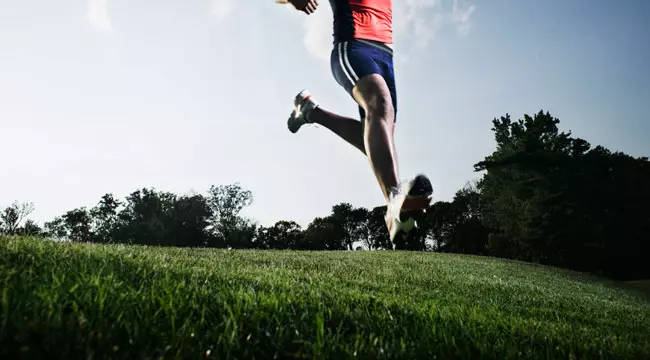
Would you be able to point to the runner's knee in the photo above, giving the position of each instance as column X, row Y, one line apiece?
column 374, row 96
column 380, row 108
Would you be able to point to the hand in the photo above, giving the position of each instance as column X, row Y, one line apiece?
column 306, row 6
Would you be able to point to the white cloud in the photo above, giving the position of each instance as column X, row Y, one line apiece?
column 414, row 21
column 462, row 16
column 220, row 9
column 424, row 29
column 97, row 15
column 417, row 20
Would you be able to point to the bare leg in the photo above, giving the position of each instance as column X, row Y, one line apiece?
column 373, row 136
column 372, row 93
column 348, row 129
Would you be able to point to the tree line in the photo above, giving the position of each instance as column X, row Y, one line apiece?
column 544, row 197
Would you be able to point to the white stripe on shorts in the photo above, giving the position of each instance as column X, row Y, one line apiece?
column 347, row 62
column 345, row 70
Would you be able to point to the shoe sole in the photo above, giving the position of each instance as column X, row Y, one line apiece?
column 292, row 128
column 417, row 197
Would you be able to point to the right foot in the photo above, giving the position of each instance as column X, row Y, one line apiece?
column 414, row 194
column 304, row 103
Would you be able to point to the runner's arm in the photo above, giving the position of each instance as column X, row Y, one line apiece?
column 306, row 6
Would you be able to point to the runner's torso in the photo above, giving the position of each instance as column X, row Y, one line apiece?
column 363, row 19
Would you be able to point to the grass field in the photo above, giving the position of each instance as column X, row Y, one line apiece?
column 73, row 301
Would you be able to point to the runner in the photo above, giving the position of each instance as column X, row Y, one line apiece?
column 362, row 63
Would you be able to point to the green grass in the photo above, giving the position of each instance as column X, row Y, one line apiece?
column 61, row 300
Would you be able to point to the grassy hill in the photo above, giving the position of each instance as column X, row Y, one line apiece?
column 61, row 300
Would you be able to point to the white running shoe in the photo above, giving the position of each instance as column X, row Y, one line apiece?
column 415, row 194
column 304, row 103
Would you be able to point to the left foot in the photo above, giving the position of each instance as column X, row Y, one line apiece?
column 304, row 103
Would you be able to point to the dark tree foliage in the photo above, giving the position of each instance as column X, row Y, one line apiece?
column 30, row 228
column 75, row 225
column 106, row 222
column 377, row 233
column 284, row 235
column 553, row 199
column 227, row 227
column 458, row 225
column 13, row 215
column 325, row 233
column 144, row 217
column 189, row 220
column 353, row 221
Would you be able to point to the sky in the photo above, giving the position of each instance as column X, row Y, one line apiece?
column 110, row 96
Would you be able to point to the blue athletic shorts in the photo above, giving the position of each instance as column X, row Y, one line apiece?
column 354, row 59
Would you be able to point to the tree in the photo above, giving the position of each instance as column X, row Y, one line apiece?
column 325, row 233
column 353, row 221
column 145, row 216
column 189, row 221
column 283, row 235
column 551, row 198
column 13, row 215
column 75, row 225
column 518, row 190
column 106, row 222
column 30, row 228
column 377, row 238
column 227, row 226
column 457, row 226
column 239, row 234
